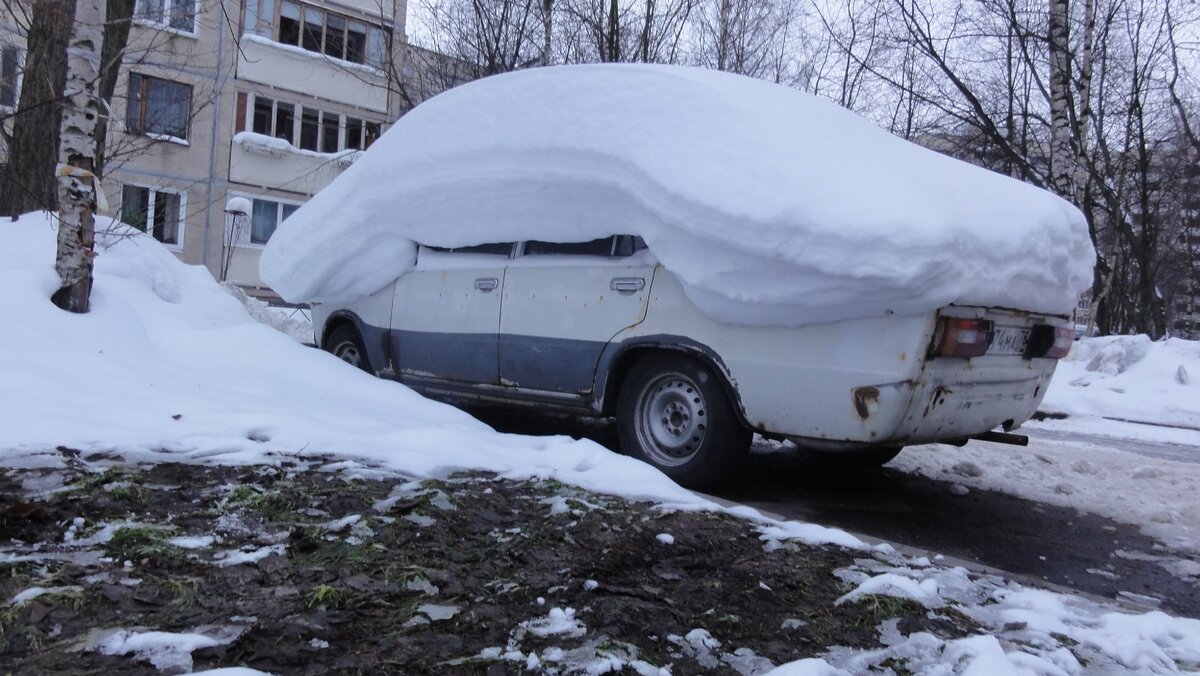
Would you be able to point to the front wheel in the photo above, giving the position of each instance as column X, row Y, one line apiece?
column 673, row 413
column 345, row 344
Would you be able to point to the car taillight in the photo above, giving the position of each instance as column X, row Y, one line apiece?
column 1051, row 342
column 963, row 337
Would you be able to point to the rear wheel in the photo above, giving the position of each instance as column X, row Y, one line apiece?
column 346, row 344
column 673, row 413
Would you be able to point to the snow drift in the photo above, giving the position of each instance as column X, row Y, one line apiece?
column 1130, row 377
column 772, row 206
column 168, row 365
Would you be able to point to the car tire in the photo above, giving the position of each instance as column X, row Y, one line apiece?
column 346, row 344
column 674, row 414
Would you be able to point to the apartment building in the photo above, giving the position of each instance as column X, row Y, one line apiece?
column 267, row 100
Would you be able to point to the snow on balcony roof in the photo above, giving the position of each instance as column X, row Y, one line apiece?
column 772, row 206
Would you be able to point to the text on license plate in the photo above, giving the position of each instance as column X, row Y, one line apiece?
column 1008, row 340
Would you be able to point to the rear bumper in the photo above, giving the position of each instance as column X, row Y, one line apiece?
column 951, row 409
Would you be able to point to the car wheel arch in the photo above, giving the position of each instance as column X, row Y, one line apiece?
column 336, row 321
column 627, row 354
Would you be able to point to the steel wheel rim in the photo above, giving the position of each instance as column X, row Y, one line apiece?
column 348, row 352
column 672, row 419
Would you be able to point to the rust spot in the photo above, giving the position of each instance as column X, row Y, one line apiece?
column 903, row 356
column 864, row 396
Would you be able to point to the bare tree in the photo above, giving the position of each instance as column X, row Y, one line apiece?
column 76, row 182
column 1071, row 95
column 494, row 35
column 28, row 180
column 749, row 37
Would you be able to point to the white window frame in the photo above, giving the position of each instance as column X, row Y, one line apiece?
column 298, row 121
column 18, row 81
column 153, row 189
column 382, row 33
column 242, row 239
column 164, row 24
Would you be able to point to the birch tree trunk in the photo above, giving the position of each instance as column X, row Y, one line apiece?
column 1062, row 152
column 547, row 29
column 76, row 185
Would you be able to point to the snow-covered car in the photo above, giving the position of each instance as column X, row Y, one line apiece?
column 700, row 254
column 602, row 328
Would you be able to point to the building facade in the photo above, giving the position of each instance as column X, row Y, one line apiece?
column 267, row 100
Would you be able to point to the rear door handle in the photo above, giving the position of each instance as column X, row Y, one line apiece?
column 486, row 284
column 627, row 284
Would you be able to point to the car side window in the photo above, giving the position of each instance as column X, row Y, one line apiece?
column 617, row 246
column 495, row 249
column 495, row 255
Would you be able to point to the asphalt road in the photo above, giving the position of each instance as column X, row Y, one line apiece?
column 1035, row 540
column 1031, row 539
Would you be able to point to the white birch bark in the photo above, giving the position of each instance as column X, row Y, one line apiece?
column 1062, row 152
column 76, row 187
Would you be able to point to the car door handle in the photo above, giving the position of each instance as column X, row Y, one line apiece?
column 627, row 284
column 486, row 284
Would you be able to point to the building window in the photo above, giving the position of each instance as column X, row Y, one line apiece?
column 177, row 15
column 157, row 212
column 319, row 130
column 10, row 76
column 265, row 216
column 158, row 106
column 360, row 134
column 327, row 33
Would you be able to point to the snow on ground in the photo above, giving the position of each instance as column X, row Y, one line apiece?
column 169, row 366
column 169, row 362
column 1130, row 377
column 771, row 205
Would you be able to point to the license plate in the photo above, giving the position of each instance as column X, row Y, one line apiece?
column 1008, row 340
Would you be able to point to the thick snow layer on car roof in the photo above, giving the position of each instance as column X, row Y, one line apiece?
column 771, row 205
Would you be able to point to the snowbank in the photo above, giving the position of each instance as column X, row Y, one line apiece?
column 771, row 205
column 169, row 365
column 1131, row 378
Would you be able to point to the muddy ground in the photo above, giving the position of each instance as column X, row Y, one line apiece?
column 310, row 567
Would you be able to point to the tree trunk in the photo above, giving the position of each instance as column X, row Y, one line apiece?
column 547, row 29
column 116, row 36
column 29, row 179
column 614, row 33
column 76, row 185
column 1062, row 153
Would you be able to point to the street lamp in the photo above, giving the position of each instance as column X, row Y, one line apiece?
column 237, row 209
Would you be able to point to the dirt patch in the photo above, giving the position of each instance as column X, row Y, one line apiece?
column 307, row 569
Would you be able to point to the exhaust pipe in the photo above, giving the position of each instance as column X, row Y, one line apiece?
column 1003, row 438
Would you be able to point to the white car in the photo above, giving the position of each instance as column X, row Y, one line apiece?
column 602, row 328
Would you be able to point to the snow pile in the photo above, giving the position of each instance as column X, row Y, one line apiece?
column 772, row 206
column 291, row 322
column 164, row 650
column 1130, row 377
column 169, row 365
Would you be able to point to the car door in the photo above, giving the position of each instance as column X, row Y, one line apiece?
column 446, row 315
column 563, row 303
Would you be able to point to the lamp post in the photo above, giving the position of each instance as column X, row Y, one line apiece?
column 237, row 210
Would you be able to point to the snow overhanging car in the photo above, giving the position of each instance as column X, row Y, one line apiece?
column 701, row 255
